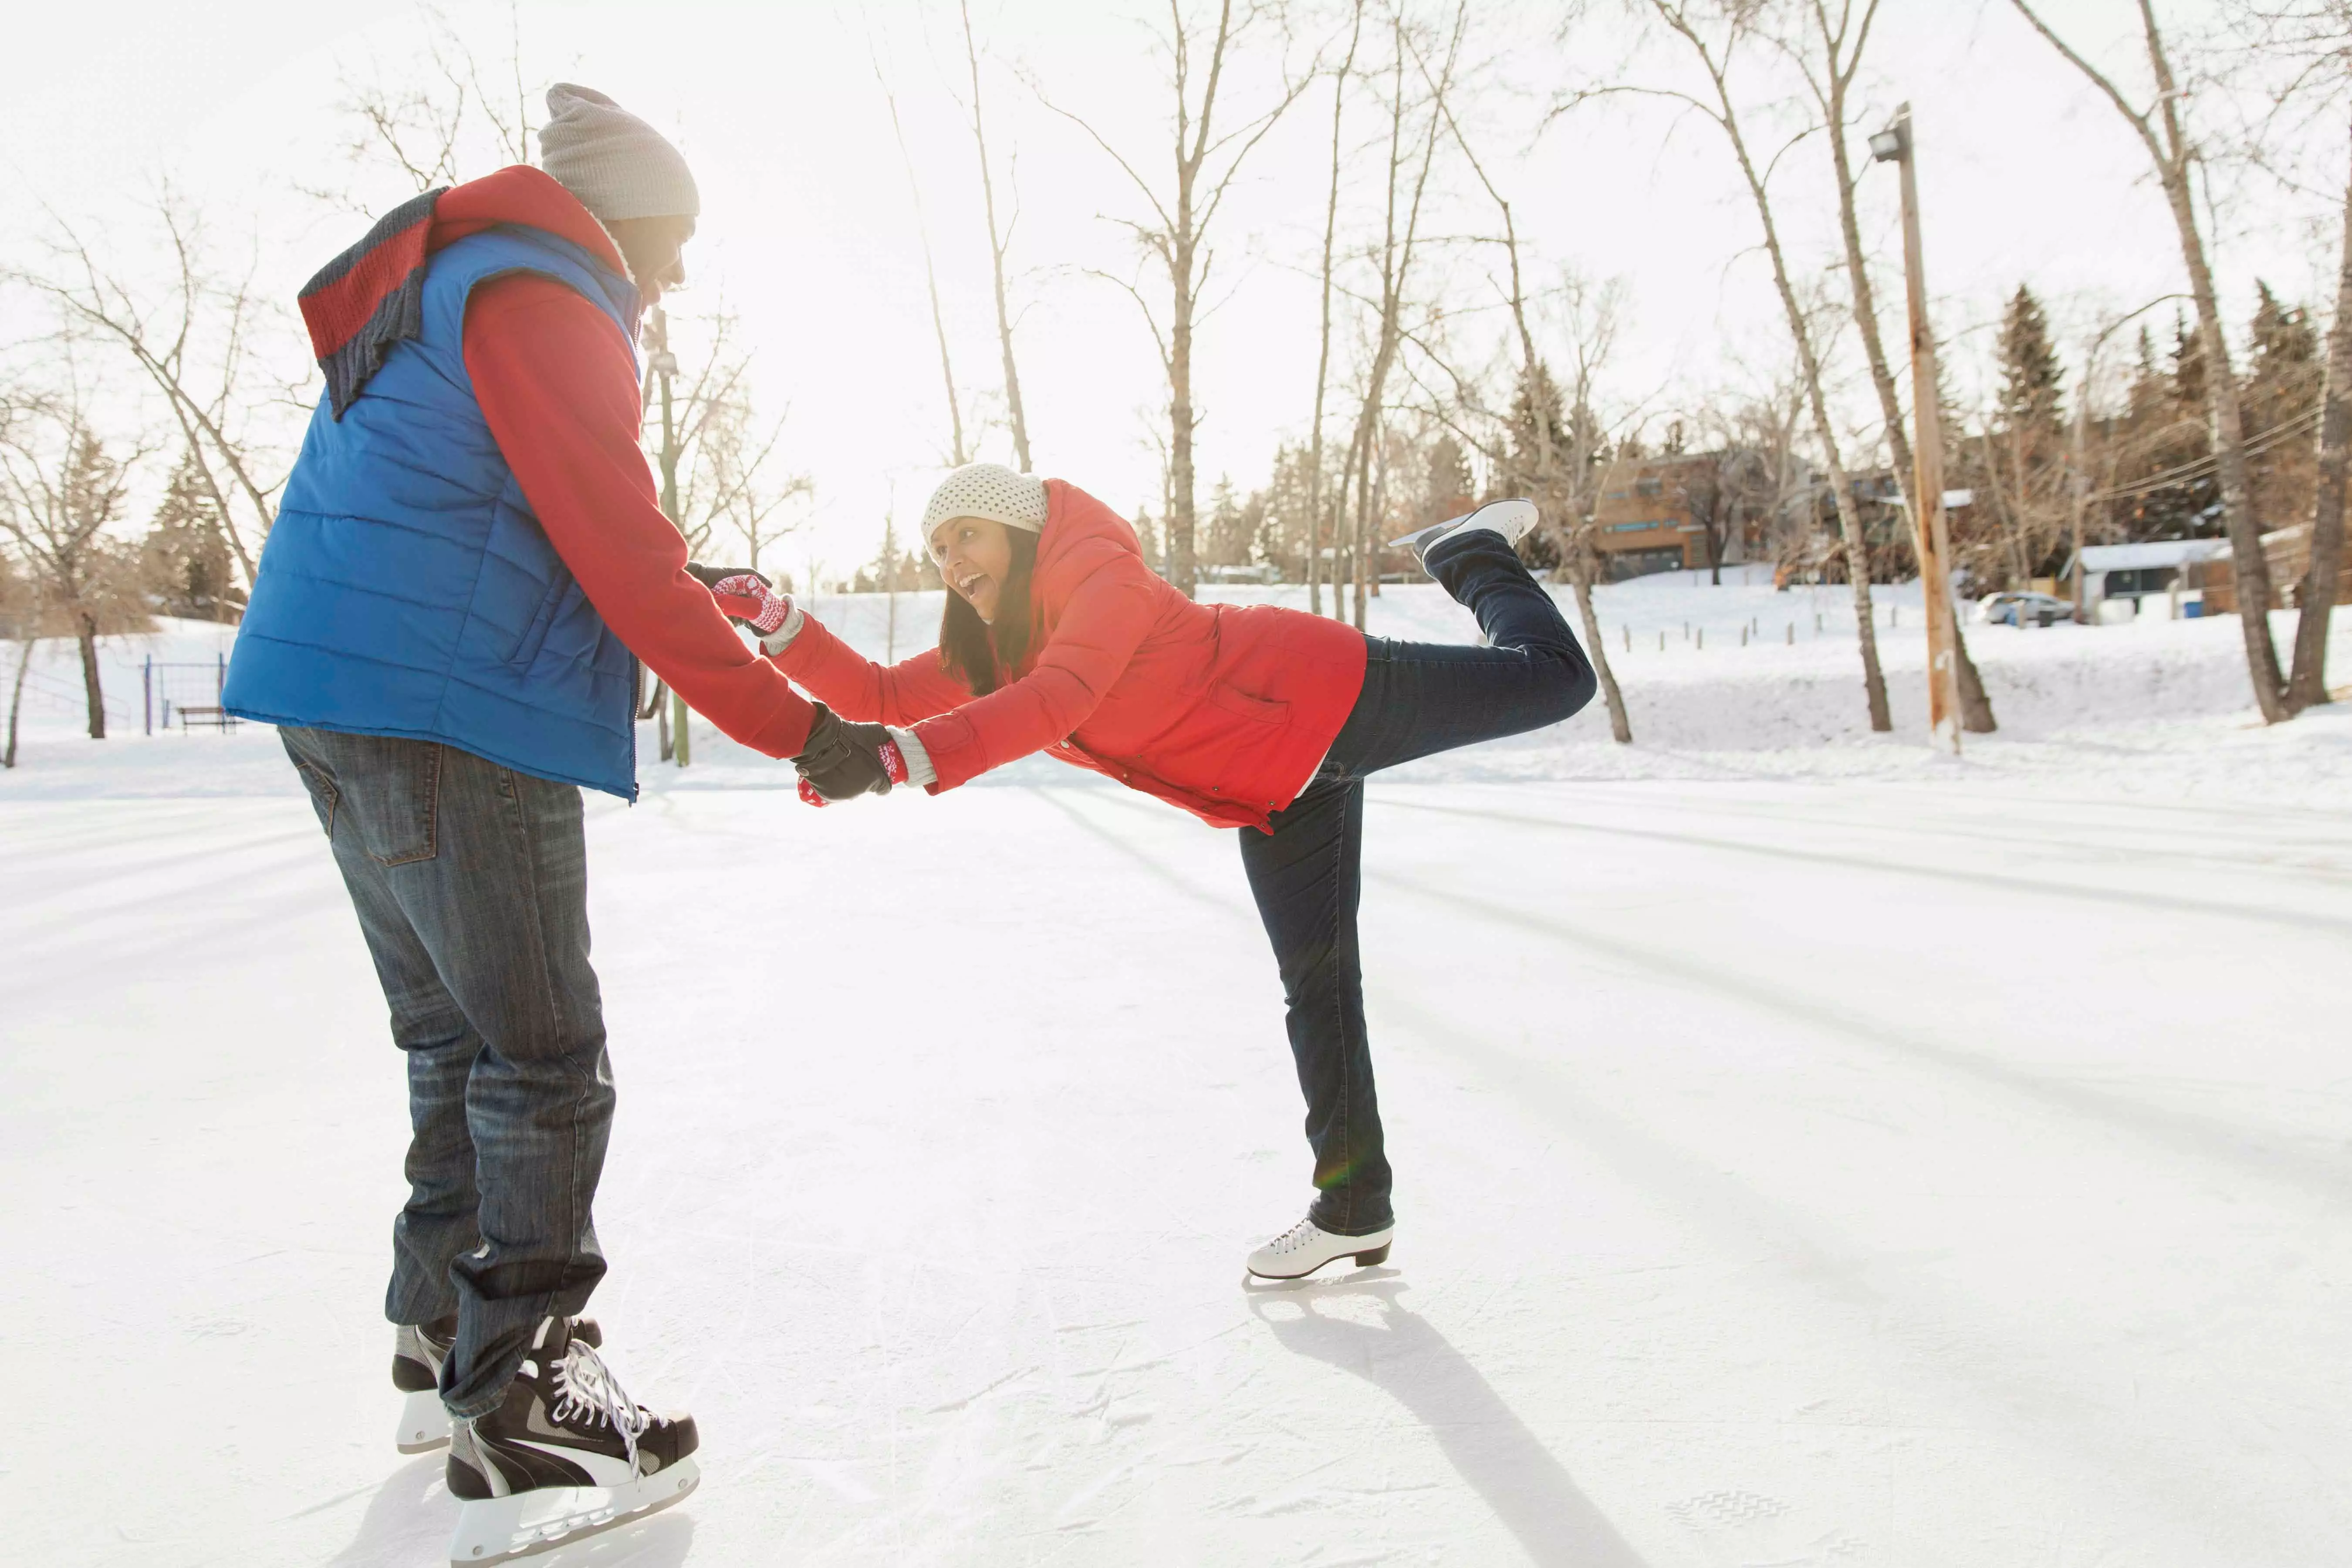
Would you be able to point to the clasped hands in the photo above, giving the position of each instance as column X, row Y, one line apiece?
column 839, row 759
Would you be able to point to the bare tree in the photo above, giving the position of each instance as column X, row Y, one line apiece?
column 2315, row 38
column 2163, row 132
column 998, row 241
column 60, row 493
column 424, row 124
column 1558, row 494
column 2315, row 598
column 20, row 609
column 193, row 341
column 1392, row 260
column 1733, row 23
column 716, row 455
column 1176, row 235
column 1829, row 73
column 1323, row 353
column 958, row 454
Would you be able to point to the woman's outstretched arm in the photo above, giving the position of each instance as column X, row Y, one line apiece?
column 1096, row 633
column 861, row 690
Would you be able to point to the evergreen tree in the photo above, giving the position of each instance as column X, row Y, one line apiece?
column 1146, row 534
column 2285, row 378
column 2283, row 371
column 1282, row 536
column 2150, row 391
column 2032, row 382
column 185, row 557
column 1451, row 488
column 1228, row 541
column 2187, row 366
column 1523, row 448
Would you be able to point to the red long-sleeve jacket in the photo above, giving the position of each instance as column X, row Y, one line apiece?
column 1223, row 709
column 557, row 385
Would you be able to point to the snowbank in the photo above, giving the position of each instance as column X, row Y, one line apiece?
column 2148, row 707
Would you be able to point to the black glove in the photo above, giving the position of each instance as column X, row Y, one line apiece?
column 841, row 759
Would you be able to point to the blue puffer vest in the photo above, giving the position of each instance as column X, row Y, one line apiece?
column 408, row 590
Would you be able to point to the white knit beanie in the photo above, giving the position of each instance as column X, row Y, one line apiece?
column 991, row 491
column 619, row 166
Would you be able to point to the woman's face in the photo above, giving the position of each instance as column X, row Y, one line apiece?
column 975, row 556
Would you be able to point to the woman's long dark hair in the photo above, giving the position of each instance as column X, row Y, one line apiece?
column 977, row 653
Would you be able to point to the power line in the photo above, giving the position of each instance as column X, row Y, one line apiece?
column 2200, row 467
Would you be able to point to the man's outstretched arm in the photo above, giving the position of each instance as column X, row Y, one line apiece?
column 555, row 381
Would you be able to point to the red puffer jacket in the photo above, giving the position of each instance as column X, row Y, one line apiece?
column 1223, row 709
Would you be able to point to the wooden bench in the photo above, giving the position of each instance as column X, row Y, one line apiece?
column 217, row 718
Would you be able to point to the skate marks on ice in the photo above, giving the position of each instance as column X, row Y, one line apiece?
column 1357, row 1324
column 2327, row 1177
column 1742, row 1529
column 410, row 1519
column 2295, row 920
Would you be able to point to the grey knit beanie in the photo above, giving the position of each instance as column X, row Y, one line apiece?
column 619, row 166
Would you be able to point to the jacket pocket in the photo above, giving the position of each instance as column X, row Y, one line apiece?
column 534, row 635
column 1242, row 705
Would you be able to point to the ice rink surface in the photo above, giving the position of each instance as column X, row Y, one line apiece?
column 1949, row 1169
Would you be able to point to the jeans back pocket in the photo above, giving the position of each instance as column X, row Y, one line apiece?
column 390, row 791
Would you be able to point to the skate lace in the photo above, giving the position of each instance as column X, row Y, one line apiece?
column 1296, row 1236
column 585, row 1386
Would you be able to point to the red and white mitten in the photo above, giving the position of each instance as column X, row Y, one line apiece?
column 749, row 599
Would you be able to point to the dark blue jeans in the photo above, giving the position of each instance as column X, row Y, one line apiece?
column 1418, row 699
column 471, row 885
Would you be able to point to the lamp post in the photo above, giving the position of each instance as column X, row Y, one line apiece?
column 1931, row 532
column 665, row 367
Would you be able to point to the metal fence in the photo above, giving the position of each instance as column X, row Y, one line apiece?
column 191, row 692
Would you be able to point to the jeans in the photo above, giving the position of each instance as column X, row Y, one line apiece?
column 1418, row 699
column 470, row 881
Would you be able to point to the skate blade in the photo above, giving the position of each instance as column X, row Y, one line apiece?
column 424, row 1423
column 501, row 1528
column 1371, row 1258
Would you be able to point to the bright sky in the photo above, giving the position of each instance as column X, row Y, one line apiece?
column 809, row 231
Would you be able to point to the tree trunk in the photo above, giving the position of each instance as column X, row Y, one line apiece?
column 16, row 702
column 1621, row 729
column 2248, row 568
column 2227, row 414
column 1357, row 539
column 1323, row 355
column 2316, row 600
column 2174, row 156
column 86, row 632
column 1857, row 549
column 1182, row 568
column 1976, row 708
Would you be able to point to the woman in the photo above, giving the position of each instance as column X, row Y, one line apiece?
column 1058, row 638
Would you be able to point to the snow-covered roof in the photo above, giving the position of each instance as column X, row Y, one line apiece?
column 2156, row 552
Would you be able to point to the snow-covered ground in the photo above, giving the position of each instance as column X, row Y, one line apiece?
column 1808, row 1150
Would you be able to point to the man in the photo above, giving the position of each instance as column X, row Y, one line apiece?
column 466, row 557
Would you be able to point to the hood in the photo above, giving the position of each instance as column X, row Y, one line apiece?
column 1080, row 534
column 370, row 297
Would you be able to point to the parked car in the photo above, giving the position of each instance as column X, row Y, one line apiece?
column 2024, row 610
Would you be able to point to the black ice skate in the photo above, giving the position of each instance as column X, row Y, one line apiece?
column 566, row 1455
column 417, row 1352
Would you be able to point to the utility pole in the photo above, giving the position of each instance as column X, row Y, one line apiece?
column 1931, row 533
column 665, row 367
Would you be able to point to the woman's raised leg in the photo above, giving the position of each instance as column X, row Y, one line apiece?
column 1423, row 698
